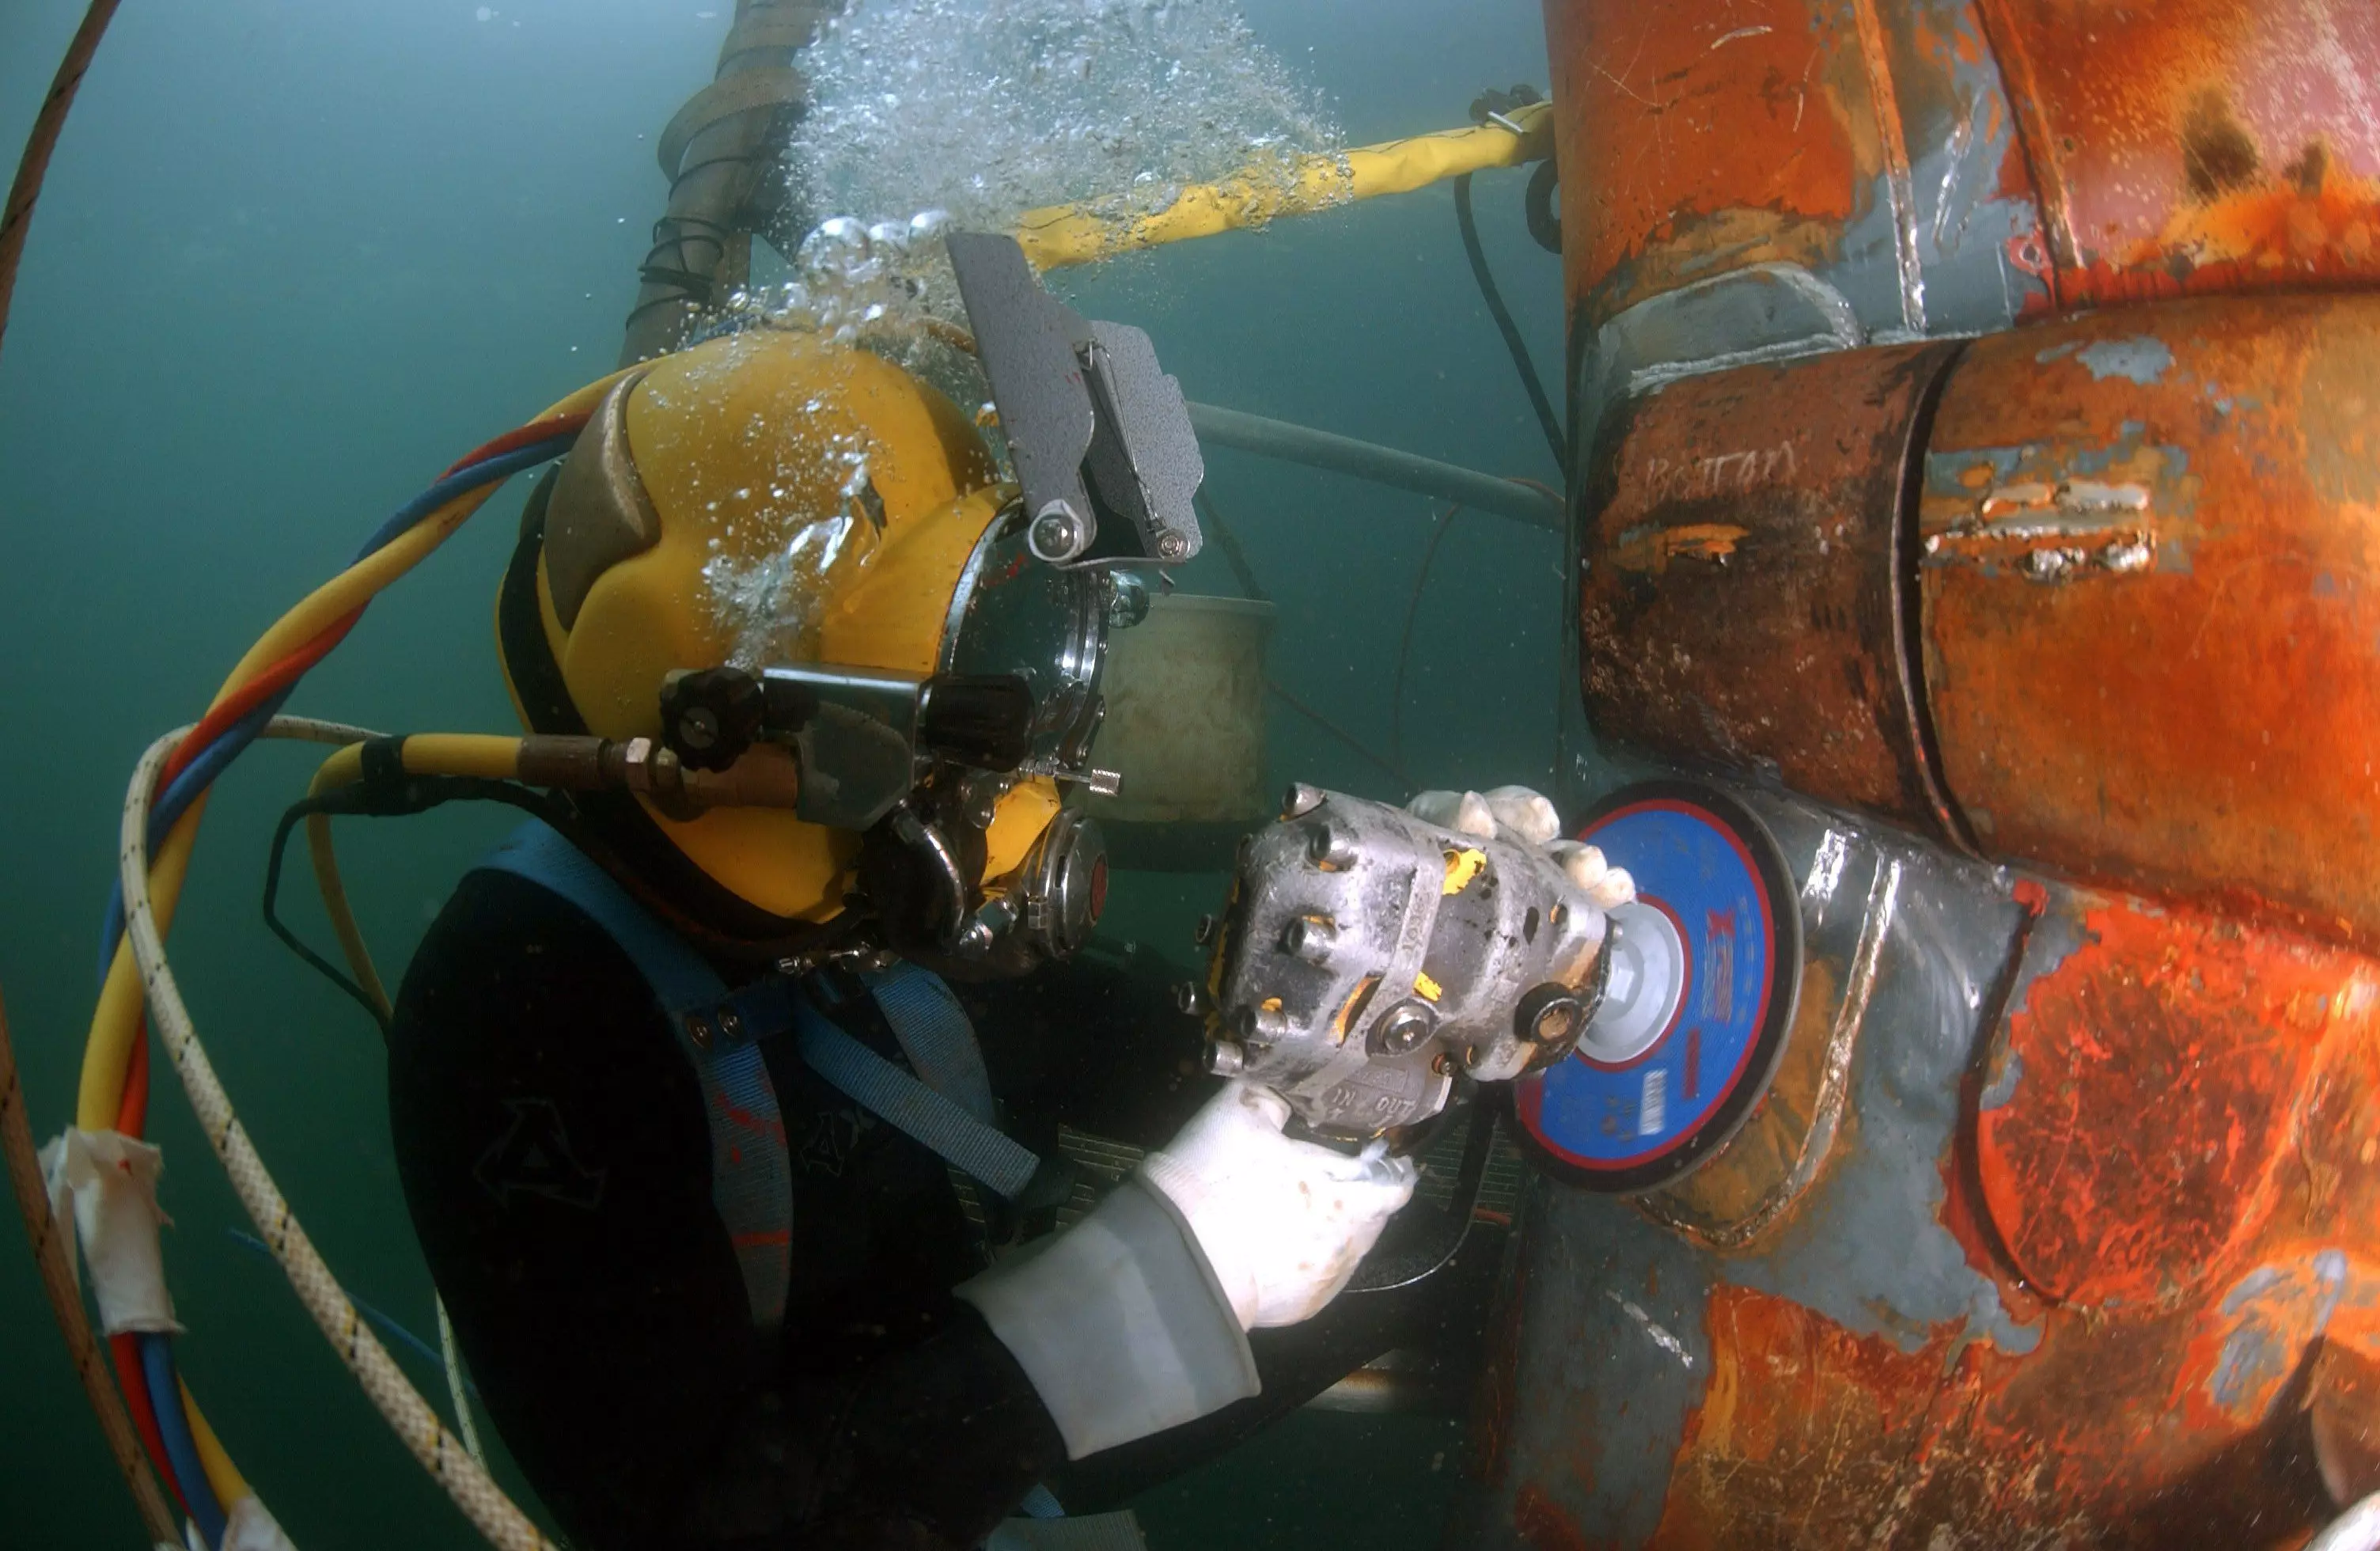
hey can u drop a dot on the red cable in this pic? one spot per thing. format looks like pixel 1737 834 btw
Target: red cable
pixel 133 1108
pixel 127 1355
pixel 132 1115
pixel 132 1111
pixel 286 672
pixel 536 430
pixel 255 691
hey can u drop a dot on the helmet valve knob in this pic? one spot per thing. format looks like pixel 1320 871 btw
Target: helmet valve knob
pixel 1058 534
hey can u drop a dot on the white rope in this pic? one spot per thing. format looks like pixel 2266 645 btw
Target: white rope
pixel 440 1452
pixel 2358 1529
pixel 456 1389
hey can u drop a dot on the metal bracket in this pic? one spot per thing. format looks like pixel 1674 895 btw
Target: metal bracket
pixel 1099 434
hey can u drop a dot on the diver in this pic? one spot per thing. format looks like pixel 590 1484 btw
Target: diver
pixel 687 1126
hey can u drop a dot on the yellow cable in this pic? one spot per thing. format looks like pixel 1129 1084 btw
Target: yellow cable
pixel 107 1053
pixel 117 1017
pixel 222 1475
pixel 488 756
pixel 1058 236
pixel 115 1022
pixel 342 769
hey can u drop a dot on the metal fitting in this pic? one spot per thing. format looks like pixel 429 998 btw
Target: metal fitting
pixel 1329 847
pixel 1259 1026
pixel 1403 1029
pixel 1225 1059
pixel 1058 534
pixel 1311 938
pixel 1300 800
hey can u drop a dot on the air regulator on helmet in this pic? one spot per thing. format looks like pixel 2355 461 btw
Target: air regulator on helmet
pixel 776 557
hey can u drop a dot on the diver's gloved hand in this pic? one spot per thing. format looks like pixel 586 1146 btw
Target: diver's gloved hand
pixel 1517 814
pixel 1283 1222
pixel 1134 1320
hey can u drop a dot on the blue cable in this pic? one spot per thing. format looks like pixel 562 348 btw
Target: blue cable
pixel 504 465
pixel 180 794
pixel 211 761
pixel 156 1351
pixel 173 1429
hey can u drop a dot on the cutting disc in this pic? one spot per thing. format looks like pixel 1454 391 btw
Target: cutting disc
pixel 1704 971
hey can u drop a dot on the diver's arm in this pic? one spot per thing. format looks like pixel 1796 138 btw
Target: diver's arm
pixel 1134 1319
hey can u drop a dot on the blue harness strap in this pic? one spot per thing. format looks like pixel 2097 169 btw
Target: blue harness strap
pixel 751 1176
pixel 935 1034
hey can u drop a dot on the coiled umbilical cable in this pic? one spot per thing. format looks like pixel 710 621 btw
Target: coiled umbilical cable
pixel 441 1453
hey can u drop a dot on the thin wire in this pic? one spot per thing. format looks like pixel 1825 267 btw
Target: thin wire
pixel 54 1254
pixel 1228 542
pixel 1344 736
pixel 1404 641
pixel 457 1387
pixel 17 216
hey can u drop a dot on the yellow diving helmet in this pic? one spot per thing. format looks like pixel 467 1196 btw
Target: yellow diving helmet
pixel 774 544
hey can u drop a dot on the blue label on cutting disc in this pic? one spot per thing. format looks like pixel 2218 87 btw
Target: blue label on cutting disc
pixel 1597 1116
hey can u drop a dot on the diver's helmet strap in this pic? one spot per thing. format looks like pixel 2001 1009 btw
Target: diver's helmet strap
pixel 721 1033
pixel 751 1174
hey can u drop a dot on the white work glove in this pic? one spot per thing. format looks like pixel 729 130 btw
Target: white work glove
pixel 1283 1222
pixel 1134 1319
pixel 1524 817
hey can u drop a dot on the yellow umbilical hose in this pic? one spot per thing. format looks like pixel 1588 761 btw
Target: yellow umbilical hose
pixel 1082 234
pixel 487 756
pixel 459 754
pixel 115 1023
pixel 439 1451
pixel 108 1054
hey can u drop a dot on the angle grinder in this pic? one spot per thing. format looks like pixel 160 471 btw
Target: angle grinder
pixel 1373 964
pixel 1701 975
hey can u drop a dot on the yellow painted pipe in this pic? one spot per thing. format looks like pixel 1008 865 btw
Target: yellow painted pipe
pixel 1058 236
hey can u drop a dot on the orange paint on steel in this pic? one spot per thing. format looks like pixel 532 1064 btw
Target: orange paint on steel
pixel 2104 1200
pixel 1699 128
pixel 2151 581
pixel 2198 145
pixel 2207 1183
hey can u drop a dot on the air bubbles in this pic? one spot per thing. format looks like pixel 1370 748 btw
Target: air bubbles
pixel 983 109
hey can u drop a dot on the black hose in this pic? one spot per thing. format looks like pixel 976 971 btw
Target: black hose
pixel 1537 205
pixel 1510 331
pixel 401 798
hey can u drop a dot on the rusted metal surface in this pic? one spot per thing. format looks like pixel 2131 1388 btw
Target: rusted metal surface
pixel 1866 144
pixel 2177 1046
pixel 1946 167
pixel 1741 595
pixel 2198 145
pixel 2150 572
pixel 2095 1262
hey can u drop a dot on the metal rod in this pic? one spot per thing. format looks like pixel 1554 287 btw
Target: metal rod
pixel 1382 466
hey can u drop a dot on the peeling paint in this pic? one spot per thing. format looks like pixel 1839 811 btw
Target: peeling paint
pixel 2142 358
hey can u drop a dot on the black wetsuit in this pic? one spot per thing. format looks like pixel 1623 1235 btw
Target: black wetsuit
pixel 556 1163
